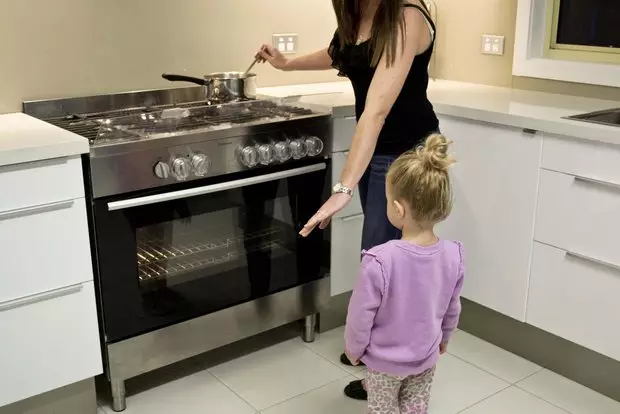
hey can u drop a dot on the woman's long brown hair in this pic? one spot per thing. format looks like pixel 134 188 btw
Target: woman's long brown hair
pixel 387 26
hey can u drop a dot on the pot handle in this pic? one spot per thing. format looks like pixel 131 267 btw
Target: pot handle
pixel 183 78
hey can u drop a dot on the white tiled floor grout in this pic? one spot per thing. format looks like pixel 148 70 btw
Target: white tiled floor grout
pixel 540 398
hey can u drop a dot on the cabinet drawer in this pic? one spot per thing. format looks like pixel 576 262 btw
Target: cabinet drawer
pixel 575 298
pixel 344 129
pixel 582 158
pixel 354 207
pixel 42 182
pixel 578 215
pixel 44 248
pixel 346 253
pixel 48 343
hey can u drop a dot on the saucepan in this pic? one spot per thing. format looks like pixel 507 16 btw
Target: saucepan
pixel 222 87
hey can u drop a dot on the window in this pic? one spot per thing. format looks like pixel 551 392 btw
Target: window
pixel 583 30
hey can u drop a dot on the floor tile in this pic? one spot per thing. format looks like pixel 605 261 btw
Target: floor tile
pixel 459 385
pixel 514 401
pixel 330 345
pixel 278 373
pixel 495 360
pixel 568 395
pixel 195 394
pixel 327 399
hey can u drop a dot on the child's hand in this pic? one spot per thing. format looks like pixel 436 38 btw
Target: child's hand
pixel 354 361
pixel 443 347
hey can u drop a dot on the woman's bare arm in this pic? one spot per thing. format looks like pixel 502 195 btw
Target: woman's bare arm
pixel 319 60
pixel 384 89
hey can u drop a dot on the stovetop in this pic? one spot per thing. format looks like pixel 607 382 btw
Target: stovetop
pixel 113 127
pixel 153 139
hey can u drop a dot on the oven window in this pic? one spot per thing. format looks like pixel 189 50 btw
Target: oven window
pixel 167 262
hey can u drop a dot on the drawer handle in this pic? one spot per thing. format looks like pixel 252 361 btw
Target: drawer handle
pixel 585 258
pixel 40 297
pixel 594 181
pixel 36 209
pixel 354 217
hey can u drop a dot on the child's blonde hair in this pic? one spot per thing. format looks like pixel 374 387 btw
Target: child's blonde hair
pixel 420 178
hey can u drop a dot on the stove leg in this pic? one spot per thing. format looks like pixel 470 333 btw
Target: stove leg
pixel 309 333
pixel 118 395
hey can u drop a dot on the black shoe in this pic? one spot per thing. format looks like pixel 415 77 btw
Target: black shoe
pixel 356 391
pixel 344 360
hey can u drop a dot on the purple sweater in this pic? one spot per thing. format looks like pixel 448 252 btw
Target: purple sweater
pixel 405 303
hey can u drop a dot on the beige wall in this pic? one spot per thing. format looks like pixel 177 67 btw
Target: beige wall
pixel 462 22
pixel 76 47
pixel 55 48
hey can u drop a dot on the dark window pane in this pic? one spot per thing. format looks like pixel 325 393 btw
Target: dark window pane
pixel 589 23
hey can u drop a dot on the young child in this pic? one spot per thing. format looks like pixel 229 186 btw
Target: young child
pixel 406 303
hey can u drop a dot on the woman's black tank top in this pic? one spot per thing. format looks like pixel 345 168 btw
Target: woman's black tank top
pixel 412 117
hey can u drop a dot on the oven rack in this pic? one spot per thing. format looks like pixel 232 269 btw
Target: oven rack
pixel 151 250
pixel 153 271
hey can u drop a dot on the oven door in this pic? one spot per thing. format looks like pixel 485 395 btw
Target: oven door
pixel 189 250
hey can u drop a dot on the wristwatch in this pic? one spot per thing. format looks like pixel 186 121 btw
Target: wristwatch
pixel 341 188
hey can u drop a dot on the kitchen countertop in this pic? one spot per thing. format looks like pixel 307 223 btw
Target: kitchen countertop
pixel 518 108
pixel 26 139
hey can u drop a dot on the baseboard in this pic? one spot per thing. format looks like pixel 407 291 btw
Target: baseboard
pixel 78 398
pixel 570 360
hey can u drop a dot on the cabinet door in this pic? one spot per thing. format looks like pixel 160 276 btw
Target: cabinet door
pixel 344 129
pixel 495 187
pixel 48 341
pixel 576 298
pixel 346 252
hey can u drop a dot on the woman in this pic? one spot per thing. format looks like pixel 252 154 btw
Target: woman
pixel 384 47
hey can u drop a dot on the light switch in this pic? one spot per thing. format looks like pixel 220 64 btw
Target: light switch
pixel 492 45
pixel 285 43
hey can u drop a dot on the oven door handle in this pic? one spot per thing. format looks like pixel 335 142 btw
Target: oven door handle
pixel 214 188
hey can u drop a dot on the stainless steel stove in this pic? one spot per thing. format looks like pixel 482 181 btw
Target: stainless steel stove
pixel 195 211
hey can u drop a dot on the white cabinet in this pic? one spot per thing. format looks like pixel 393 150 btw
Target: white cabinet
pixel 48 247
pixel 345 252
pixel 48 317
pixel 48 341
pixel 344 129
pixel 575 298
pixel 495 187
pixel 39 183
pixel 579 215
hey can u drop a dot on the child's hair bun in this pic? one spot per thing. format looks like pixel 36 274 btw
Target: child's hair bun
pixel 434 153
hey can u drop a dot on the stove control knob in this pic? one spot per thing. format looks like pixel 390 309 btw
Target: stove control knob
pixel 298 148
pixel 161 170
pixel 266 154
pixel 314 146
pixel 249 157
pixel 282 151
pixel 181 168
pixel 201 164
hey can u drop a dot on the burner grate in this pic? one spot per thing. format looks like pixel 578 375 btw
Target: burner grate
pixel 151 122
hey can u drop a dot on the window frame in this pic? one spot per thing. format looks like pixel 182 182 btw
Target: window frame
pixel 565 51
pixel 532 58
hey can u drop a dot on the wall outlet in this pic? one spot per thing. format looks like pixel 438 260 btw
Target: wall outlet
pixel 492 45
pixel 285 43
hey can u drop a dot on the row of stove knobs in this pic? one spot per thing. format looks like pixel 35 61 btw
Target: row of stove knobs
pixel 182 168
pixel 282 151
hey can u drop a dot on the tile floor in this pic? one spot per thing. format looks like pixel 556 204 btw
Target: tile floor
pixel 292 377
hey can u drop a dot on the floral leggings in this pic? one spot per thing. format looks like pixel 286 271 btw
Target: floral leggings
pixel 393 395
